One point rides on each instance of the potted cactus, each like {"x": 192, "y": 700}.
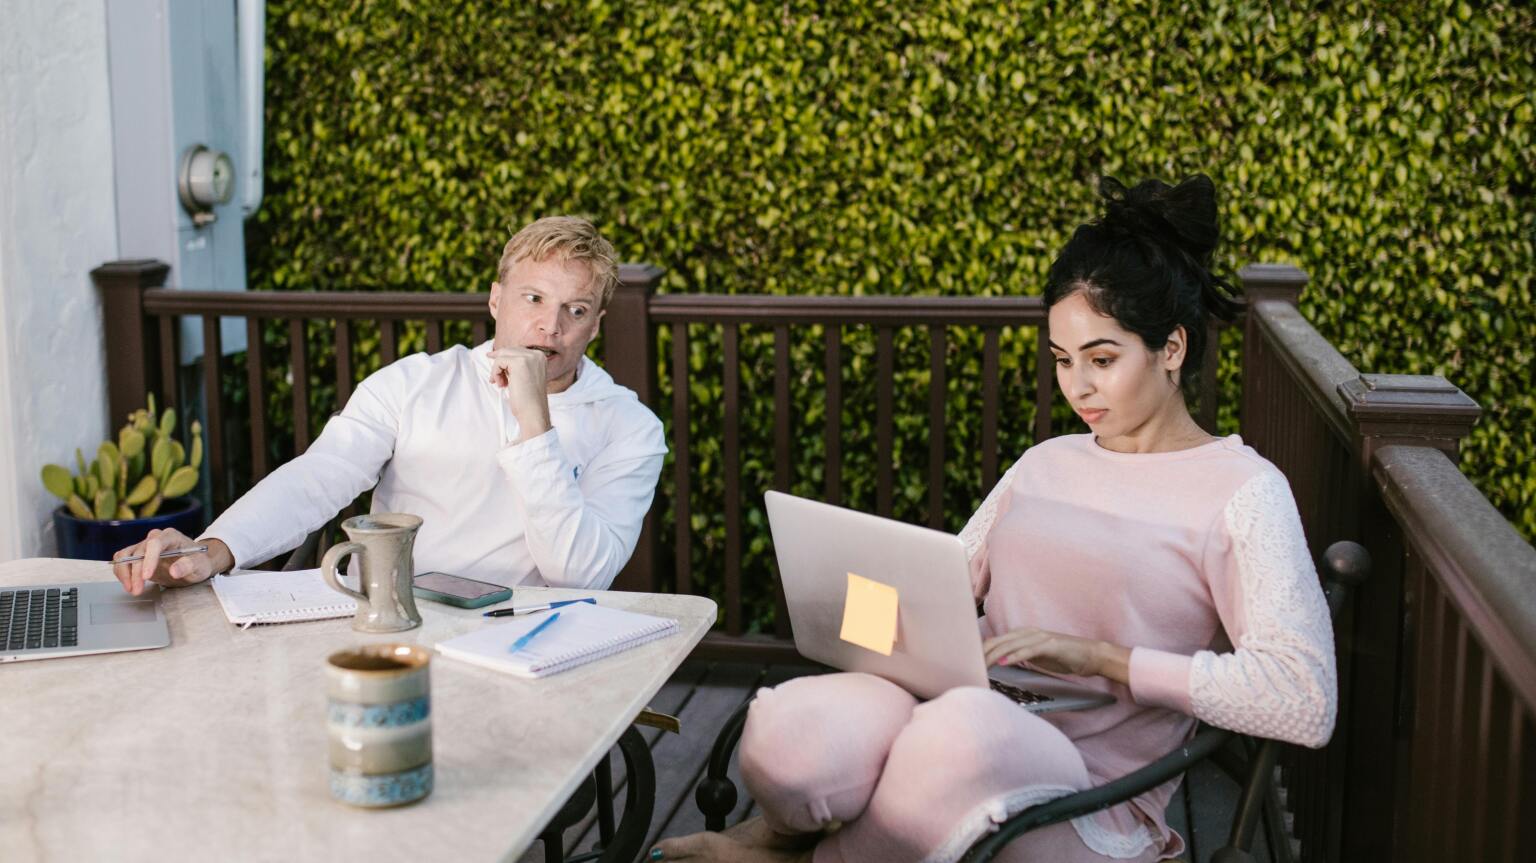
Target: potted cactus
{"x": 134, "y": 485}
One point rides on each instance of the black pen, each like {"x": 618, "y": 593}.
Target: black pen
{"x": 508, "y": 612}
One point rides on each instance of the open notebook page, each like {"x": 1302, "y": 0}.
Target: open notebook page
{"x": 253, "y": 596}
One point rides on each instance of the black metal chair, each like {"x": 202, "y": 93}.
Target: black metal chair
{"x": 307, "y": 555}
{"x": 1250, "y": 761}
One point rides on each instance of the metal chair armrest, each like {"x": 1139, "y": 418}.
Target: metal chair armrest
{"x": 716, "y": 794}
{"x": 1091, "y": 800}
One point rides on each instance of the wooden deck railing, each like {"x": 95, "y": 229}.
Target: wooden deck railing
{"x": 1433, "y": 755}
{"x": 142, "y": 339}
{"x": 788, "y": 317}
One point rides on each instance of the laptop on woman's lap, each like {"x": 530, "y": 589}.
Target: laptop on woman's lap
{"x": 937, "y": 645}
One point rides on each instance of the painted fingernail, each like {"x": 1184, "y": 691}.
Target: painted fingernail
{"x": 656, "y": 854}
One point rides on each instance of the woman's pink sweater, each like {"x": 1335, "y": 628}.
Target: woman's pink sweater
{"x": 1196, "y": 560}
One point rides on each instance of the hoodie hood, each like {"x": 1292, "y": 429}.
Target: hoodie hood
{"x": 593, "y": 383}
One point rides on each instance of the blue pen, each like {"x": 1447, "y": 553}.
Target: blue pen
{"x": 508, "y": 612}
{"x": 523, "y": 642}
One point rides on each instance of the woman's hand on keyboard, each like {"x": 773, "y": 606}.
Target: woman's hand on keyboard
{"x": 1057, "y": 653}
{"x": 181, "y": 571}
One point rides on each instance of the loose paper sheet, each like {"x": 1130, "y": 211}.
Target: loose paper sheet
{"x": 869, "y": 615}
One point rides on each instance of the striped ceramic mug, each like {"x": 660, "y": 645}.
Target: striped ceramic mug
{"x": 379, "y": 718}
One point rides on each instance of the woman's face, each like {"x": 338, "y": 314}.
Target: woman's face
{"x": 1119, "y": 388}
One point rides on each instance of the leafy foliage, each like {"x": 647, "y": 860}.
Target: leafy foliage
{"x": 942, "y": 146}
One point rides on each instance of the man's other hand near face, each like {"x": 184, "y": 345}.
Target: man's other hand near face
{"x": 522, "y": 375}
{"x": 547, "y": 313}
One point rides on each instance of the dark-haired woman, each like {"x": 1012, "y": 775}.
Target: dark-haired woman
{"x": 1148, "y": 558}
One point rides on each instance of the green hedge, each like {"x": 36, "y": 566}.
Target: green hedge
{"x": 939, "y": 146}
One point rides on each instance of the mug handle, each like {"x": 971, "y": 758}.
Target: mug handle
{"x": 333, "y": 556}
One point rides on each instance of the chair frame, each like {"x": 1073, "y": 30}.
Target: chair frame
{"x": 1345, "y": 566}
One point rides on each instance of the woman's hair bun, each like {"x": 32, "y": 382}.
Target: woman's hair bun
{"x": 1181, "y": 217}
{"x": 1147, "y": 263}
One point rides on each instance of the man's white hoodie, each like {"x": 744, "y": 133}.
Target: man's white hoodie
{"x": 563, "y": 509}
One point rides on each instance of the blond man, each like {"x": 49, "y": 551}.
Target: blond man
{"x": 526, "y": 462}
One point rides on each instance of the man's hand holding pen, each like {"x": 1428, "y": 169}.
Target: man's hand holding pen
{"x": 157, "y": 565}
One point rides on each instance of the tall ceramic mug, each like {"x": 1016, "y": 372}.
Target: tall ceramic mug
{"x": 383, "y": 542}
{"x": 379, "y": 721}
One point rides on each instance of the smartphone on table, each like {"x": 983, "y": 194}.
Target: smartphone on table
{"x": 458, "y": 590}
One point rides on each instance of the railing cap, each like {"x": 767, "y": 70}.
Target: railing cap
{"x": 136, "y": 272}
{"x": 644, "y": 276}
{"x": 1479, "y": 559}
{"x": 1409, "y": 406}
{"x": 1272, "y": 282}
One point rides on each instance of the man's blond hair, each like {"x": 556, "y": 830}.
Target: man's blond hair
{"x": 564, "y": 238}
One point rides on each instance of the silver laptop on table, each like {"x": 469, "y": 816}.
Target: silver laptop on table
{"x": 51, "y": 620}
{"x": 938, "y": 645}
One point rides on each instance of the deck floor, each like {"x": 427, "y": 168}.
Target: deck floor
{"x": 703, "y": 694}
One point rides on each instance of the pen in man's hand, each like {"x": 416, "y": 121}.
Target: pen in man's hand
{"x": 175, "y": 552}
{"x": 508, "y": 612}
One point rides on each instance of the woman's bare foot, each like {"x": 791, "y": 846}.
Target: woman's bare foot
{"x": 755, "y": 833}
{"x": 705, "y": 847}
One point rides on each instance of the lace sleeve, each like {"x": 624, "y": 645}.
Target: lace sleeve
{"x": 1279, "y": 681}
{"x": 974, "y": 535}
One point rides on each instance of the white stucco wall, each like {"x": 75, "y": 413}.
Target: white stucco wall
{"x": 56, "y": 223}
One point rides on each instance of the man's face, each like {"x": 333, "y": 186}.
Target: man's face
{"x": 549, "y": 306}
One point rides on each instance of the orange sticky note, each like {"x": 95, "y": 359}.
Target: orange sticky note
{"x": 869, "y": 615}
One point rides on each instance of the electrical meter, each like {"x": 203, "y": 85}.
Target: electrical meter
{"x": 206, "y": 178}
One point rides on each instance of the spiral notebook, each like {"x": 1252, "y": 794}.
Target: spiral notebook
{"x": 251, "y": 597}
{"x": 581, "y": 634}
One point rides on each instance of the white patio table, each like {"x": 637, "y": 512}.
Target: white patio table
{"x": 214, "y": 748}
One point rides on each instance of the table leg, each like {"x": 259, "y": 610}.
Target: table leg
{"x": 604, "y": 802}
{"x": 639, "y": 800}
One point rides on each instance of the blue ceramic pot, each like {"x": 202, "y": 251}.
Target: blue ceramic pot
{"x": 98, "y": 540}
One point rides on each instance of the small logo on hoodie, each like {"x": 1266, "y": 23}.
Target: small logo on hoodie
{"x": 576, "y": 472}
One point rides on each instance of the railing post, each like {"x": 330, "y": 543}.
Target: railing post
{"x": 629, "y": 343}
{"x": 1272, "y": 282}
{"x": 1421, "y": 410}
{"x": 629, "y": 352}
{"x": 1262, "y": 283}
{"x": 132, "y": 343}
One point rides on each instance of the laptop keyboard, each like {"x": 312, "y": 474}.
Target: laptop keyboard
{"x": 1019, "y": 694}
{"x": 41, "y": 618}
